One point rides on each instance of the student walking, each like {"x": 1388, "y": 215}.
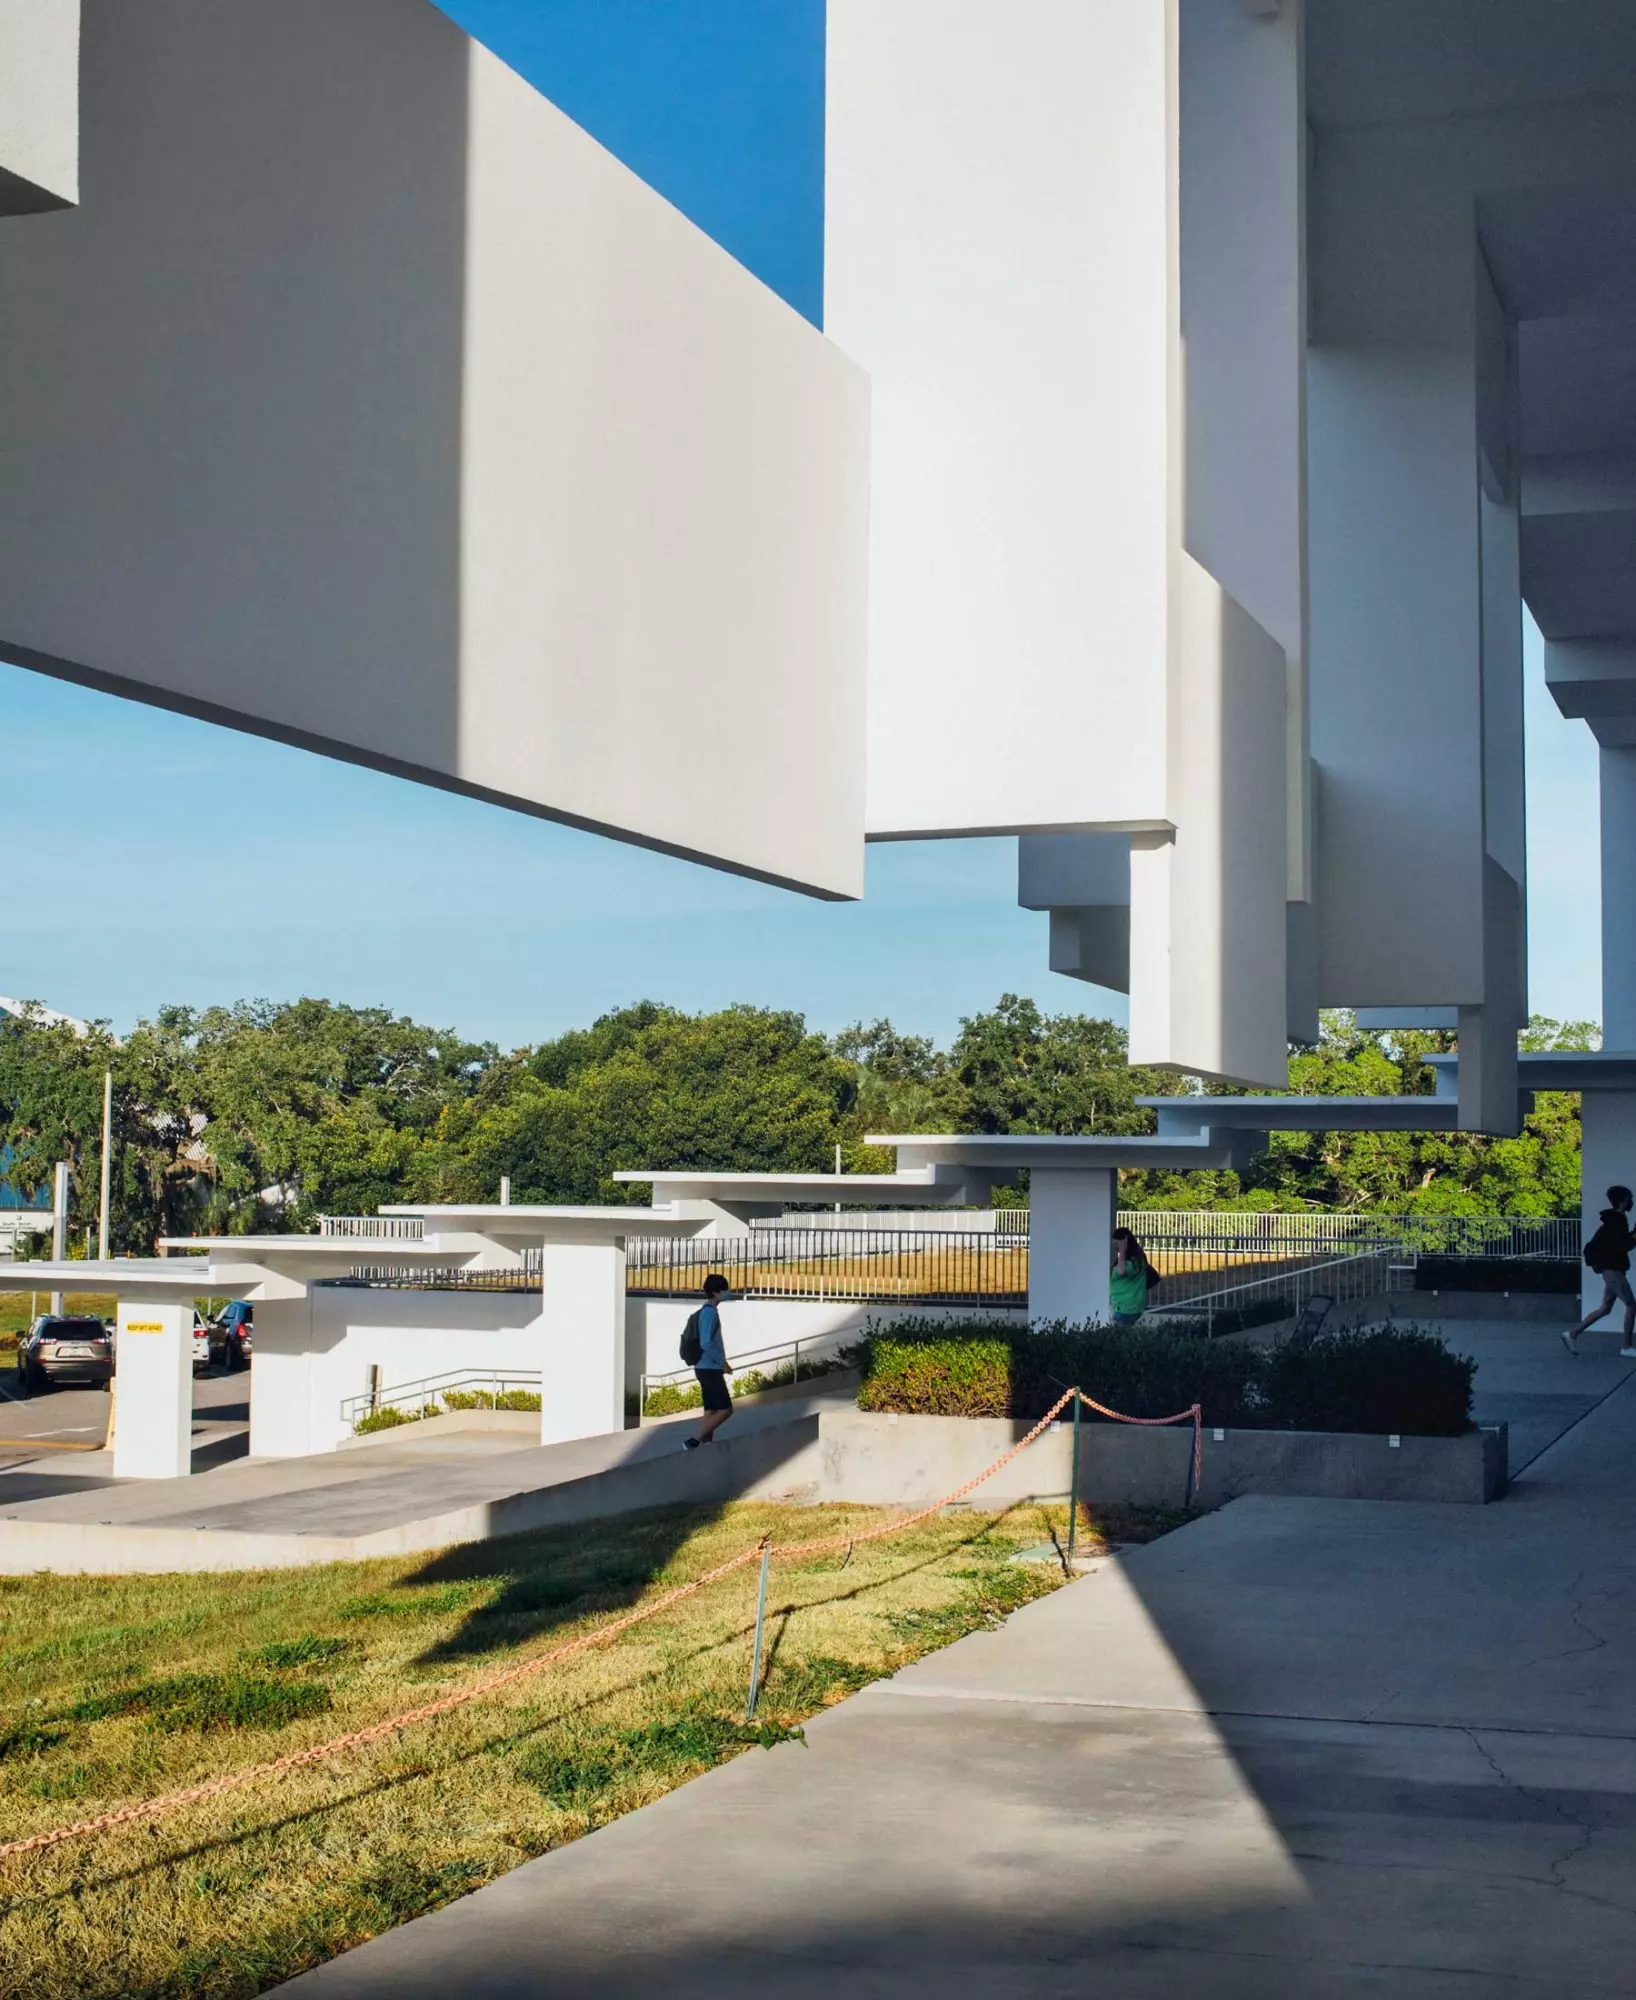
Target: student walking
{"x": 1608, "y": 1254}
{"x": 704, "y": 1350}
{"x": 1130, "y": 1279}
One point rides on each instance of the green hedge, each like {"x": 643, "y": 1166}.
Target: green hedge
{"x": 1394, "y": 1380}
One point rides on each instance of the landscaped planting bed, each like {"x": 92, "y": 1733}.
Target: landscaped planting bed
{"x": 1397, "y": 1380}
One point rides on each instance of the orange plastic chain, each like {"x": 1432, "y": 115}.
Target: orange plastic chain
{"x": 212, "y": 1788}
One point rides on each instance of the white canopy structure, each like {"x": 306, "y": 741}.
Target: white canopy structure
{"x": 1204, "y": 387}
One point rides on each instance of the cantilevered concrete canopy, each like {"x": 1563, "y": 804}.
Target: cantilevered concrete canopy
{"x": 725, "y": 1204}
{"x": 1003, "y": 1152}
{"x": 1181, "y": 1115}
{"x": 527, "y": 1224}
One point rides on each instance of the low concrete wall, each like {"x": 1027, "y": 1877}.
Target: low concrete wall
{"x": 882, "y": 1460}
{"x": 1549, "y": 1308}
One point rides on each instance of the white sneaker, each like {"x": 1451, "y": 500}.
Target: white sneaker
{"x": 1627, "y": 1353}
{"x": 1570, "y": 1340}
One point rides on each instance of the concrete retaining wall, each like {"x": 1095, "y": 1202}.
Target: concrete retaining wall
{"x": 882, "y": 1460}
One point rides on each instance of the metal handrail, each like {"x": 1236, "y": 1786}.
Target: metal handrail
{"x": 789, "y": 1350}
{"x": 376, "y": 1398}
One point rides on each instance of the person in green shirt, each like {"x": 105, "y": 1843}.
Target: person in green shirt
{"x": 1129, "y": 1279}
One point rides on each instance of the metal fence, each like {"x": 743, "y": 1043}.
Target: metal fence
{"x": 1199, "y": 1255}
{"x": 405, "y": 1228}
{"x": 523, "y": 1277}
{"x": 927, "y": 1266}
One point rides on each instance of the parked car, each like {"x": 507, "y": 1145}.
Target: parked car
{"x": 63, "y": 1349}
{"x": 225, "y": 1342}
{"x": 236, "y": 1329}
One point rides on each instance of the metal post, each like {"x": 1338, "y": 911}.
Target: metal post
{"x": 761, "y": 1619}
{"x": 1073, "y": 1486}
{"x": 374, "y": 1385}
{"x": 107, "y": 1147}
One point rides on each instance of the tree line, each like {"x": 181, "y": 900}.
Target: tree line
{"x": 263, "y": 1116}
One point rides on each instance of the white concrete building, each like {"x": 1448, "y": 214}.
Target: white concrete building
{"x": 536, "y": 1294}
{"x": 1204, "y": 387}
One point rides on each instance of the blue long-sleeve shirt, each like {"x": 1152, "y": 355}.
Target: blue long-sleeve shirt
{"x": 712, "y": 1354}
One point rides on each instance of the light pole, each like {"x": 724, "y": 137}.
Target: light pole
{"x": 107, "y": 1141}
{"x": 59, "y": 1223}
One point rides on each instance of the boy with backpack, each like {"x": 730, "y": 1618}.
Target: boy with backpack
{"x": 1608, "y": 1254}
{"x": 704, "y": 1352}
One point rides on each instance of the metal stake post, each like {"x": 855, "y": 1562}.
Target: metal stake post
{"x": 761, "y": 1619}
{"x": 1073, "y": 1486}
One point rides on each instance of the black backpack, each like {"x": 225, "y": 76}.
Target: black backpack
{"x": 692, "y": 1344}
{"x": 1597, "y": 1248}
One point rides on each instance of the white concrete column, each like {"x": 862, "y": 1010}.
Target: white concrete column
{"x": 1618, "y": 770}
{"x": 582, "y": 1349}
{"x": 153, "y": 1389}
{"x": 281, "y": 1382}
{"x": 1607, "y": 1157}
{"x": 1070, "y": 1224}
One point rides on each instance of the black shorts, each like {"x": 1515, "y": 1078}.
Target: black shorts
{"x": 713, "y": 1387}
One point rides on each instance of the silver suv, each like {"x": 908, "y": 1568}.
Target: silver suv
{"x": 65, "y": 1350}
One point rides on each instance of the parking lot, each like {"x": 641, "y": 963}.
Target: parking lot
{"x": 59, "y": 1423}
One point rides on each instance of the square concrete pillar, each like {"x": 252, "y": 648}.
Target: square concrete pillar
{"x": 153, "y": 1390}
{"x": 1070, "y": 1226}
{"x": 582, "y": 1347}
{"x": 281, "y": 1385}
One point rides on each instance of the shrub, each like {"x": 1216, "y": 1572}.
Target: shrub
{"x": 387, "y": 1419}
{"x": 1391, "y": 1379}
{"x": 997, "y": 1369}
{"x": 1398, "y": 1379}
{"x": 485, "y": 1399}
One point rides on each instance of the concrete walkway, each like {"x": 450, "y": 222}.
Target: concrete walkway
{"x": 403, "y": 1491}
{"x": 1306, "y": 1748}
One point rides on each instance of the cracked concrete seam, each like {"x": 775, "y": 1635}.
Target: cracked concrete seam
{"x": 1557, "y": 1865}
{"x": 1576, "y": 1612}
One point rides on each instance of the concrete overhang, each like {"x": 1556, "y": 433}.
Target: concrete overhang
{"x": 1555, "y": 1069}
{"x": 162, "y": 1280}
{"x": 994, "y": 1153}
{"x": 926, "y": 1186}
{"x": 523, "y": 1223}
{"x": 1179, "y": 1115}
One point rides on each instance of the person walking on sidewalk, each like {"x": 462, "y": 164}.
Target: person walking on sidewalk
{"x": 1608, "y": 1254}
{"x": 711, "y": 1364}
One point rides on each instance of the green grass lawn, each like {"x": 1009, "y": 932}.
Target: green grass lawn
{"x": 115, "y": 1689}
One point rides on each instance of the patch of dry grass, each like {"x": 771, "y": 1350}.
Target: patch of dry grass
{"x": 120, "y": 1688}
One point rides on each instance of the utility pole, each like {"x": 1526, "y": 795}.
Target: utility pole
{"x": 107, "y": 1147}
{"x": 59, "y": 1223}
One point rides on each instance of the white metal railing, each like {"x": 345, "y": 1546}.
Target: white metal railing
{"x": 403, "y": 1228}
{"x": 1346, "y": 1280}
{"x": 820, "y": 1351}
{"x": 415, "y": 1399}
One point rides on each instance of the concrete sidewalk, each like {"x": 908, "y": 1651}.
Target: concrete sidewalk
{"x": 1311, "y": 1748}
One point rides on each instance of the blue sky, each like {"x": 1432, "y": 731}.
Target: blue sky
{"x": 155, "y": 859}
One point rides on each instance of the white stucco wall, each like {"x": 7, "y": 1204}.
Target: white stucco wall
{"x": 39, "y": 105}
{"x": 367, "y": 402}
{"x": 312, "y": 1353}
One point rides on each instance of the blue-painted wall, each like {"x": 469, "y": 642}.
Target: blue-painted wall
{"x": 718, "y": 104}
